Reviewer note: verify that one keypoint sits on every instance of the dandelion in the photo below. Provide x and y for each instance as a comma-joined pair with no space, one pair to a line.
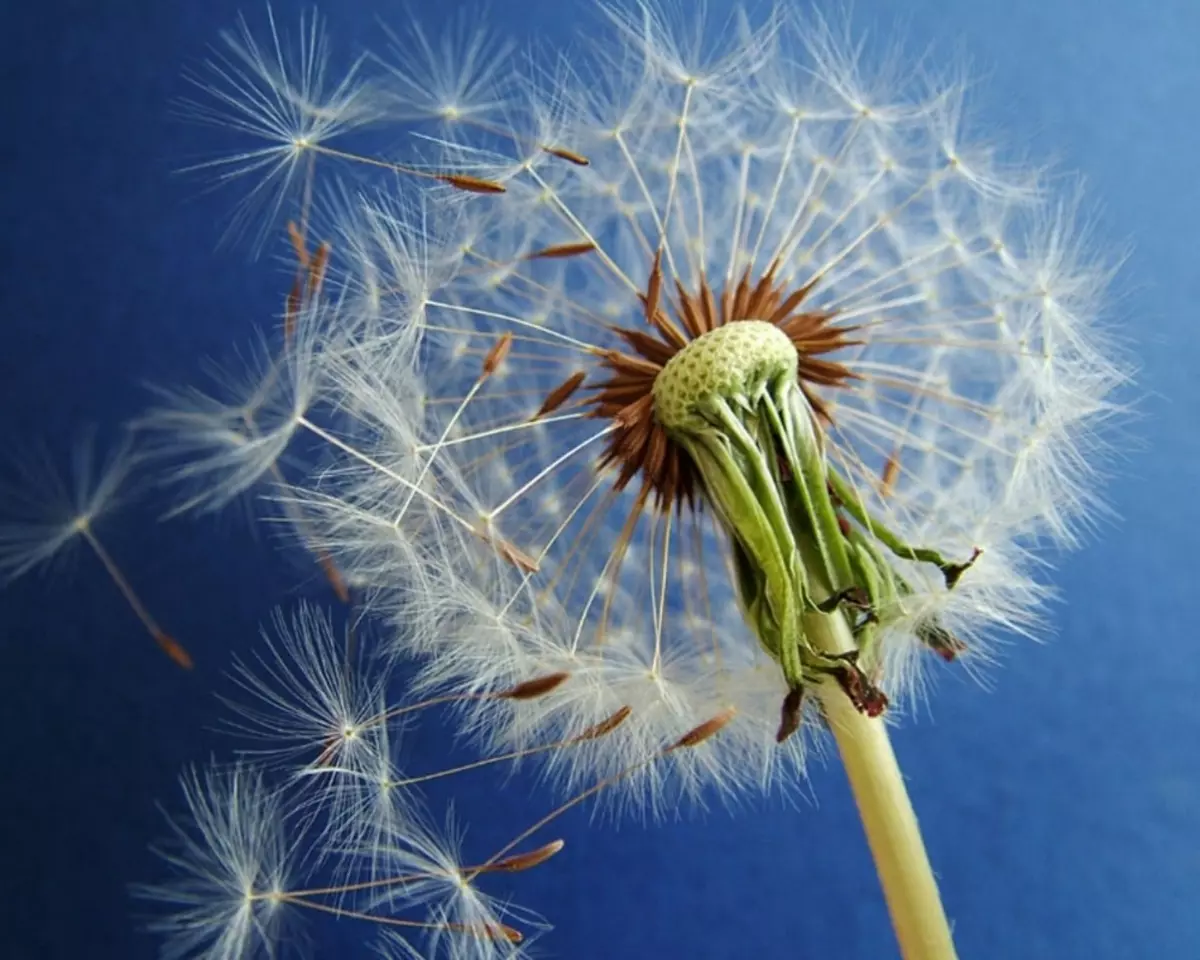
713,384
45,517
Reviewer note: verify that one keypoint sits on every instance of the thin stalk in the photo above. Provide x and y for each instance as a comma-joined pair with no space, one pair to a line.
887,814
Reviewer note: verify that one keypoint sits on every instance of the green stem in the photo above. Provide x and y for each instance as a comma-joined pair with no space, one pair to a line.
886,812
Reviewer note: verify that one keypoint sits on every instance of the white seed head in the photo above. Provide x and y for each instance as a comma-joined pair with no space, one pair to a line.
958,378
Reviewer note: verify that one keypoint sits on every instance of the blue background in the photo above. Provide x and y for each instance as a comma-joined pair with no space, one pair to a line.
1060,805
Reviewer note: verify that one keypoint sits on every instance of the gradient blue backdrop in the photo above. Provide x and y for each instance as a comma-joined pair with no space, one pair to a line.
1060,805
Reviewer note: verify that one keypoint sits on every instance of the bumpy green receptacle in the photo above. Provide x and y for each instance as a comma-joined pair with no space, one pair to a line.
732,400
734,361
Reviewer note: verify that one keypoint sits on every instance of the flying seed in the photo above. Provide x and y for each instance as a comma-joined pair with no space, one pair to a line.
174,649
490,931
891,470
334,576
570,155
472,184
297,240
653,288
709,728
941,641
290,309
496,355
509,551
505,933
325,757
560,394
561,251
604,727
316,270
168,644
517,557
537,687
525,861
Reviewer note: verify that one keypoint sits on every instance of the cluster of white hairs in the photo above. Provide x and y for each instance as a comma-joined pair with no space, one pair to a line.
319,820
488,252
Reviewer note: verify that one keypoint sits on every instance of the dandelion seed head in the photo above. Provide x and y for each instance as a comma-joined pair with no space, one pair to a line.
512,493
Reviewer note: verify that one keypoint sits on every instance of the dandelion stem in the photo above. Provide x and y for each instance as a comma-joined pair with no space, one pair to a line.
887,814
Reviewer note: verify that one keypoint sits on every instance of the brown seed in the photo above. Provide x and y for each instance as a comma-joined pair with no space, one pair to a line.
783,311
516,556
291,309
709,304
334,576
604,727
316,270
173,649
472,184
891,470
496,355
537,687
503,931
687,309
561,251
709,728
525,861
297,243
653,287
760,296
570,155
490,931
560,394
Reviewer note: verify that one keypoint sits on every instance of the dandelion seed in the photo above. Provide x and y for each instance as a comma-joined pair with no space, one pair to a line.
471,184
46,517
277,95
531,689
564,154
706,730
303,699
231,865
562,250
222,443
238,877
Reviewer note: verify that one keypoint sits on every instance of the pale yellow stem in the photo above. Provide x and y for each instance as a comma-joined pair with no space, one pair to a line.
887,815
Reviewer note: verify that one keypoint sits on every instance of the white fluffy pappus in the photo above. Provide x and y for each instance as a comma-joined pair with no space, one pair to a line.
577,226
248,861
